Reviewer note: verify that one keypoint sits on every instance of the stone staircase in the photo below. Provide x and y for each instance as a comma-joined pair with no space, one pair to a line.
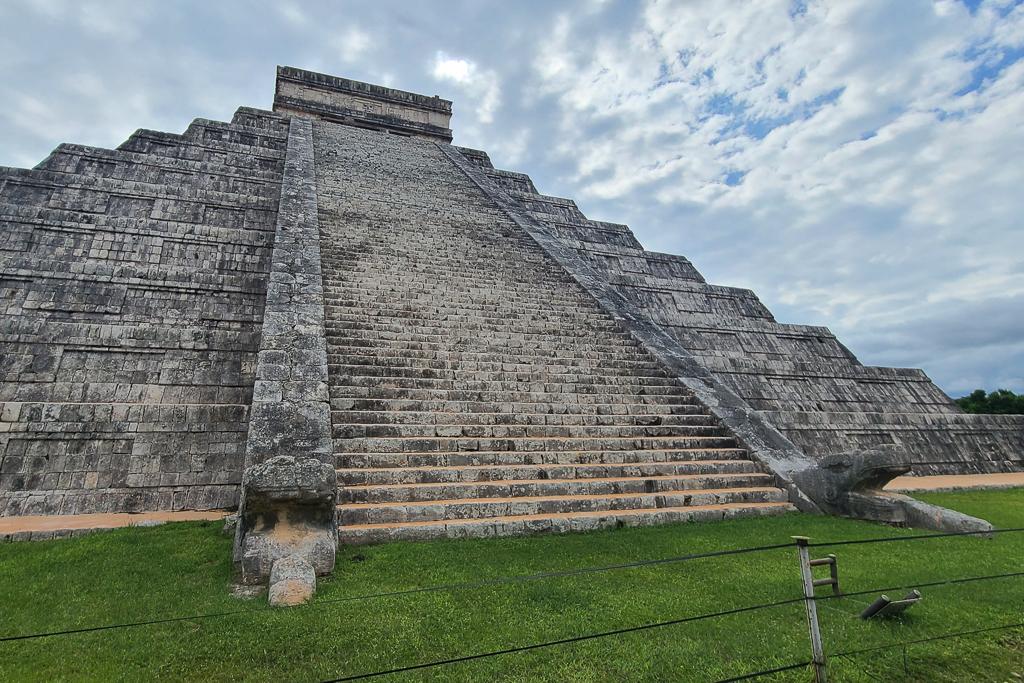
475,388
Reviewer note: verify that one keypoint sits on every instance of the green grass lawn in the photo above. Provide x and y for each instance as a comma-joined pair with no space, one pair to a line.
184,569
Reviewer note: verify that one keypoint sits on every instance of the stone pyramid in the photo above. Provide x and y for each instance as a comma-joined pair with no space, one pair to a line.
334,280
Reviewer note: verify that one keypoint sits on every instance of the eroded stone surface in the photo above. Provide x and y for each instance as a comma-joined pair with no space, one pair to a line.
852,485
288,508
292,582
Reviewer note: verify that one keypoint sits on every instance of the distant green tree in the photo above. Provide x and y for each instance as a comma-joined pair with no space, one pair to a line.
998,402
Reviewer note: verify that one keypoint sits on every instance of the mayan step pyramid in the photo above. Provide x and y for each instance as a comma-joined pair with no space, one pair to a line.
335,280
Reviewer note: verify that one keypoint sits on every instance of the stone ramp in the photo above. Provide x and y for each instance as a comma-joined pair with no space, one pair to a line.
476,389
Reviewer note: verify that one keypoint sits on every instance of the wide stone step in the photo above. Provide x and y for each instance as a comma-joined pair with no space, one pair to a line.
604,443
389,344
388,269
478,285
502,309
449,243
360,353
454,256
696,416
369,316
701,426
652,395
373,367
429,292
429,296
373,313
681,406
508,457
475,473
557,523
519,488
388,274
501,382
511,364
475,347
498,371
479,338
434,313
609,335
581,335
476,508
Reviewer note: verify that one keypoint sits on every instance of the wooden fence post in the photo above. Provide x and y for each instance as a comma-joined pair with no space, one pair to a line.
811,609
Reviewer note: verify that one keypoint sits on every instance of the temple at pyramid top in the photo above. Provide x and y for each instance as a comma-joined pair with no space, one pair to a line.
340,100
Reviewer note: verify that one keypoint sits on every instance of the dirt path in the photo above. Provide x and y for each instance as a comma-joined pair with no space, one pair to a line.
43,527
947,482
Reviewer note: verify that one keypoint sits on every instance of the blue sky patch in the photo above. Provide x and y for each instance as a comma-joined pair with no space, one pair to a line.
734,178
991,64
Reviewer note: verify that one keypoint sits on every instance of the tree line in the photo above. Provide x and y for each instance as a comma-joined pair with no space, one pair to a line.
998,402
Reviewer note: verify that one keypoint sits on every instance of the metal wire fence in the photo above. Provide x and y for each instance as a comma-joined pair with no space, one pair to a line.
817,662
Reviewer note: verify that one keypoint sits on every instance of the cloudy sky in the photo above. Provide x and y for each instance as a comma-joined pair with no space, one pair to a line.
859,164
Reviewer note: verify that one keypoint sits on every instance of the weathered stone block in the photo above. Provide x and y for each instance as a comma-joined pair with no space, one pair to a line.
288,508
292,582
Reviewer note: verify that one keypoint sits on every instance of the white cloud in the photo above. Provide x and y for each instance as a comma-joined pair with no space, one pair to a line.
830,158
293,14
352,44
509,151
459,70
482,85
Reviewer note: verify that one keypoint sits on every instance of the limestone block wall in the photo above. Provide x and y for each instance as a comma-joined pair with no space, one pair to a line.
801,378
132,285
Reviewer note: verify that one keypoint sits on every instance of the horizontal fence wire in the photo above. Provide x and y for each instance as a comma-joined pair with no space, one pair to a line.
129,624
929,584
567,641
766,672
451,587
918,537
918,641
